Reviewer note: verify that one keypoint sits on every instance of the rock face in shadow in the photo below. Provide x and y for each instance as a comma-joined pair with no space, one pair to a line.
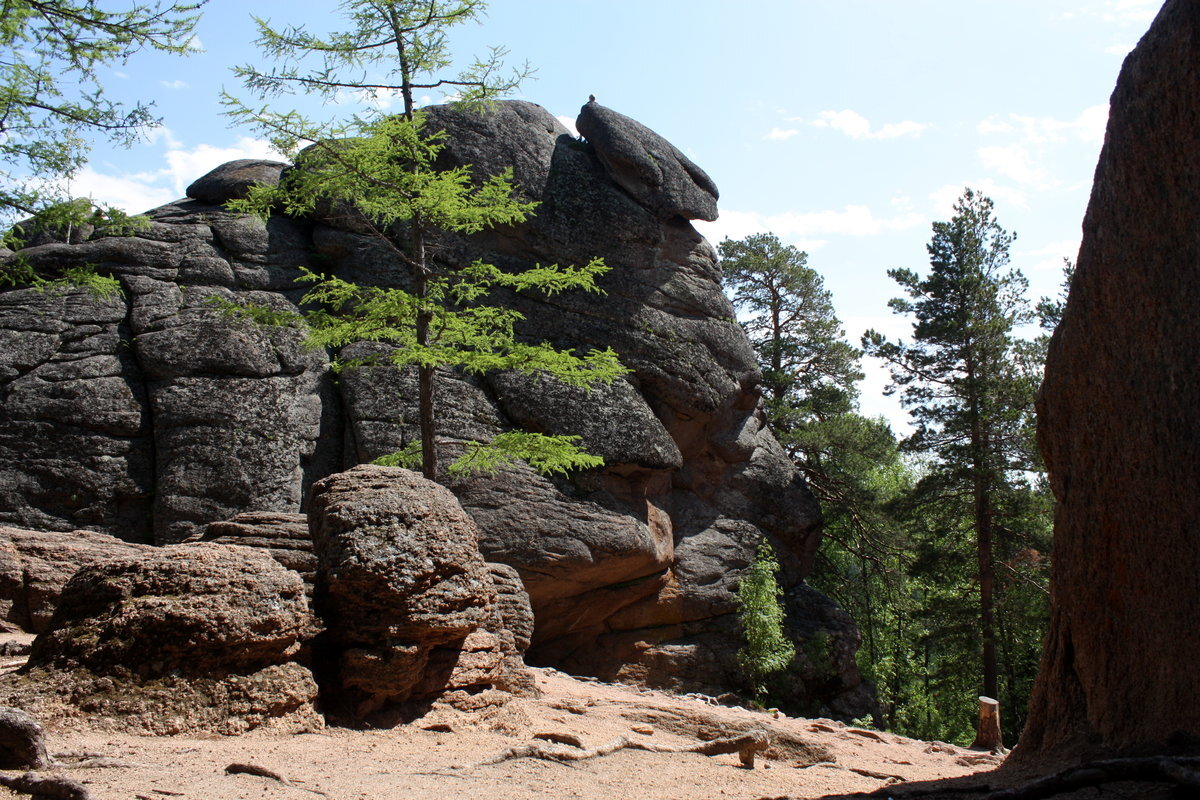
150,415
1117,426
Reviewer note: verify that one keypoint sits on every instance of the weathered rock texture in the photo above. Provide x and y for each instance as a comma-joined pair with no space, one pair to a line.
150,416
22,741
285,536
410,605
1117,423
35,565
189,637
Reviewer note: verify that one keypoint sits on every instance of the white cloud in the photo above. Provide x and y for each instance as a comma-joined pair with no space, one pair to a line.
176,84
194,44
1088,126
1131,12
807,230
1014,161
141,191
184,166
132,193
781,134
1048,258
1120,49
856,126
569,124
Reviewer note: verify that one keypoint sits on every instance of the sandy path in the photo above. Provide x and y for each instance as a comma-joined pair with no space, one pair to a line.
415,762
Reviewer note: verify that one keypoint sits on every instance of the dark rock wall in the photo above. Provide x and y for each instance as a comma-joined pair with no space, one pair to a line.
150,416
1118,426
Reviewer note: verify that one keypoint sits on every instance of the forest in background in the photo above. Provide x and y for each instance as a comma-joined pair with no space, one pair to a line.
938,543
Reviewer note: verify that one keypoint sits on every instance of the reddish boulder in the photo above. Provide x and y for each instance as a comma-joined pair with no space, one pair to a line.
410,605
35,565
182,638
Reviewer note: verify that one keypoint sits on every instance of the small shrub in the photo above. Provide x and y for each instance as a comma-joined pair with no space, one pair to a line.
767,650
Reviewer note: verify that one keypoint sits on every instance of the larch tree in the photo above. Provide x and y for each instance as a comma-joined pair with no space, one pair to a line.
969,391
52,102
384,167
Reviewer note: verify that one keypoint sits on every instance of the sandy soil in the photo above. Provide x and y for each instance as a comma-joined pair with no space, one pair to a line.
442,755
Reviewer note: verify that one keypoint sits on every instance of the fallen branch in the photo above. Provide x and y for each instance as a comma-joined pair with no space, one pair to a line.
263,772
51,787
746,746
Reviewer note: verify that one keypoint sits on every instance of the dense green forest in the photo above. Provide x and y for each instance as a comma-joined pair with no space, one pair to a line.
937,543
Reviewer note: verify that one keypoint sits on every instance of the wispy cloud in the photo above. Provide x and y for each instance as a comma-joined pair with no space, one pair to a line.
1049,257
808,230
1130,12
856,126
177,84
140,191
1027,146
1088,126
781,134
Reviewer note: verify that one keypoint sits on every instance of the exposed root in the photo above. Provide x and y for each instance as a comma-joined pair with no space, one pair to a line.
746,746
46,787
263,772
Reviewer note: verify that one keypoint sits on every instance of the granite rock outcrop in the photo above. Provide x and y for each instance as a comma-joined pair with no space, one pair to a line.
197,637
410,606
1117,428
150,415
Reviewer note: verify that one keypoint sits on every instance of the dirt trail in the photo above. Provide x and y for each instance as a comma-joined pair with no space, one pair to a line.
441,755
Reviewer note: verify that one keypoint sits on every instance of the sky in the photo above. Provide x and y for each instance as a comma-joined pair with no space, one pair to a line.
845,127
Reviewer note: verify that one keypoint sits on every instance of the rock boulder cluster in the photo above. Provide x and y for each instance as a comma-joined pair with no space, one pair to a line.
151,417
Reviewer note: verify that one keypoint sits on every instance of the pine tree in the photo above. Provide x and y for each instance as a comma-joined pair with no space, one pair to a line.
969,388
384,166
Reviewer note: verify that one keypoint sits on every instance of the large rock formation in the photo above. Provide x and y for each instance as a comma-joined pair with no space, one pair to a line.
150,416
1117,426
36,565
199,637
411,608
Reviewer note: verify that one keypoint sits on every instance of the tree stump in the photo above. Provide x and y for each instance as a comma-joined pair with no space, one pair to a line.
988,736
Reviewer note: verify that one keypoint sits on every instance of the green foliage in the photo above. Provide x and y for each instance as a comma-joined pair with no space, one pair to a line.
768,649
18,272
51,99
977,516
808,368
382,171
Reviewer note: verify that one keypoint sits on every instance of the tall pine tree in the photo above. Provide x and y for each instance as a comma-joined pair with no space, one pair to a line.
969,386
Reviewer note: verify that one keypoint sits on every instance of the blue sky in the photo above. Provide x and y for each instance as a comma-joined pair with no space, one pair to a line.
846,127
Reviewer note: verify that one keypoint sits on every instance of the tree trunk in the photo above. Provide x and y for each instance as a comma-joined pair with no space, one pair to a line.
987,735
1119,426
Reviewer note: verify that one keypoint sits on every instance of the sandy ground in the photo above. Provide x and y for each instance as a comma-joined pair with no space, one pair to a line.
442,755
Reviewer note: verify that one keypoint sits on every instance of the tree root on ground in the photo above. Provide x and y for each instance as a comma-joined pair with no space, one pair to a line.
746,746
46,787
1183,772
263,772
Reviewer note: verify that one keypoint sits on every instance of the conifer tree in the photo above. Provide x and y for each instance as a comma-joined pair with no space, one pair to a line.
52,101
385,167
969,390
